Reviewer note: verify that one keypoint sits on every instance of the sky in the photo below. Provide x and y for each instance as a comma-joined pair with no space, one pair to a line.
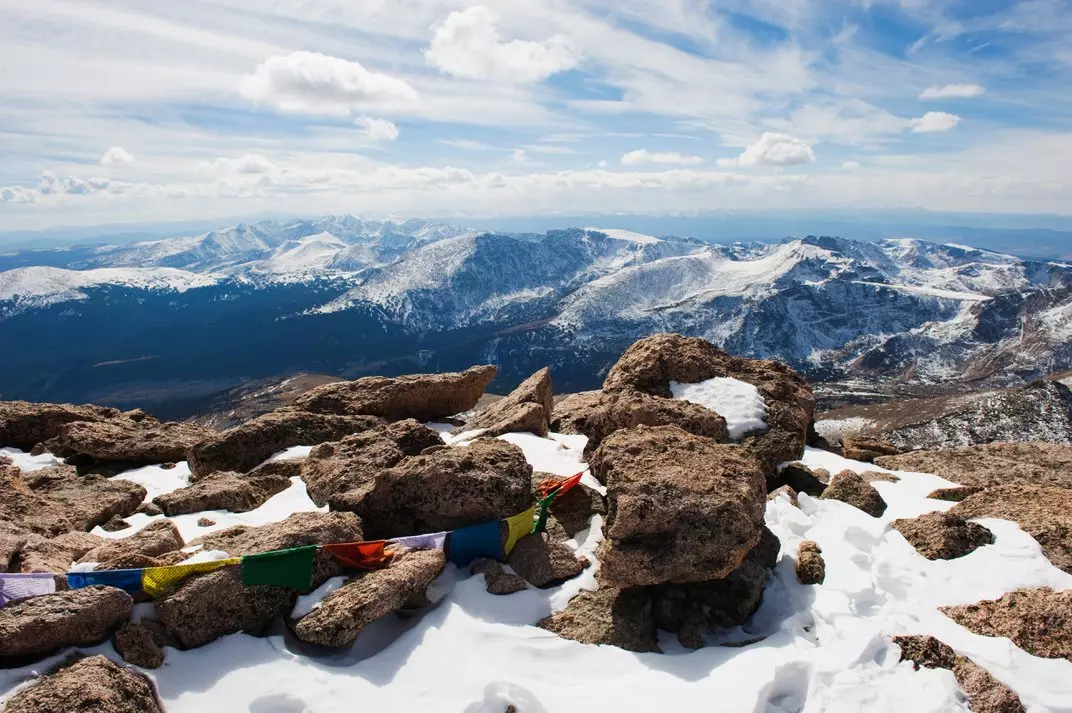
130,111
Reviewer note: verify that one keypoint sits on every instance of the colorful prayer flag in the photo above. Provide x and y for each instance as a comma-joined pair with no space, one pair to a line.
432,541
518,526
362,555
291,568
129,580
157,581
468,543
23,586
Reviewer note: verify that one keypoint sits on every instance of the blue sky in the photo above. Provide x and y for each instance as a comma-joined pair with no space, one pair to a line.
130,111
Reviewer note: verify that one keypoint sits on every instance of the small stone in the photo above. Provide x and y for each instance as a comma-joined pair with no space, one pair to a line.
38,449
849,487
168,466
811,567
205,522
786,491
149,508
115,524
137,645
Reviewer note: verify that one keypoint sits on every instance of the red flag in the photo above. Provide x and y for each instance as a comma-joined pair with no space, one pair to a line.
360,555
558,487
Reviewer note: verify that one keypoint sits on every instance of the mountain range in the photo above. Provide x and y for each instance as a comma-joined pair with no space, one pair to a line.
170,324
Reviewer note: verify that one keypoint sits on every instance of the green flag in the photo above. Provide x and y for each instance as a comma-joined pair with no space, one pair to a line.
291,568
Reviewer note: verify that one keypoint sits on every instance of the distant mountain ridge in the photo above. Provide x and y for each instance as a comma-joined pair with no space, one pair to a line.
341,295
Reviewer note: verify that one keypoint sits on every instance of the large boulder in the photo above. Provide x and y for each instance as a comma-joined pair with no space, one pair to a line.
680,508
597,414
23,424
249,444
57,554
157,538
1043,512
87,500
40,626
344,465
137,442
652,363
984,692
942,535
866,448
206,607
1038,620
345,612
610,617
92,684
800,479
444,489
424,397
235,492
24,511
853,489
526,408
991,464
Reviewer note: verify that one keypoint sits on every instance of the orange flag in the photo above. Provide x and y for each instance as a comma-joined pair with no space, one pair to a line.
360,555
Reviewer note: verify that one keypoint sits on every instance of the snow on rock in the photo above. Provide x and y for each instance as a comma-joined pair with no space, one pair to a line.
817,648
619,234
308,602
47,285
157,480
26,462
834,429
738,402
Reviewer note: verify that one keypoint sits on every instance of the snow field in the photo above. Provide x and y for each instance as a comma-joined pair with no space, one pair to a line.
826,647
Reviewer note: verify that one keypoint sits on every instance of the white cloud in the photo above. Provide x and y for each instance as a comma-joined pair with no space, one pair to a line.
116,154
726,162
377,129
642,157
949,91
16,194
776,150
468,144
519,156
934,121
602,163
467,45
249,164
314,83
850,165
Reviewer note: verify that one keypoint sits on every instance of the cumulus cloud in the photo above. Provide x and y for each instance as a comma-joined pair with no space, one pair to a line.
952,91
377,129
776,150
315,83
467,44
116,154
16,194
934,121
850,165
249,164
642,157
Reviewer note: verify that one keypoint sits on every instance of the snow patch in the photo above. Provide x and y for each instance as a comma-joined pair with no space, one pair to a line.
619,234
739,402
308,602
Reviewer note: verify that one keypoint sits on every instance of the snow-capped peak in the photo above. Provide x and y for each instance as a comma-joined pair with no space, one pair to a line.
628,235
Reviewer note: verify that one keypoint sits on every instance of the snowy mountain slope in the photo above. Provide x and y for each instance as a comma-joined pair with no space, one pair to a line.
33,287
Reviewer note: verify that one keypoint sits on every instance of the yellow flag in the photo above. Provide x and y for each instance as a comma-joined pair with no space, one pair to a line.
157,581
519,526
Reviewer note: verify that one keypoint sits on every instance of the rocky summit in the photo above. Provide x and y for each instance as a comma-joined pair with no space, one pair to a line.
688,507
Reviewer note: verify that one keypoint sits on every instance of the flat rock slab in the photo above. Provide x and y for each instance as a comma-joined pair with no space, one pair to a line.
88,500
608,617
137,442
943,536
1039,621
234,492
40,626
23,424
93,684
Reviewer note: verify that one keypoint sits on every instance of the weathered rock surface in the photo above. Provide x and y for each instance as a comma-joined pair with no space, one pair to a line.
115,524
157,538
954,495
851,488
1039,621
497,580
811,567
943,536
57,554
442,490
336,467
136,442
866,448
87,500
24,511
526,408
985,693
93,684
680,508
652,363
610,617
786,491
991,464
543,563
424,397
137,645
597,414
288,468
43,625
223,491
345,612
245,446
23,424
1045,513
